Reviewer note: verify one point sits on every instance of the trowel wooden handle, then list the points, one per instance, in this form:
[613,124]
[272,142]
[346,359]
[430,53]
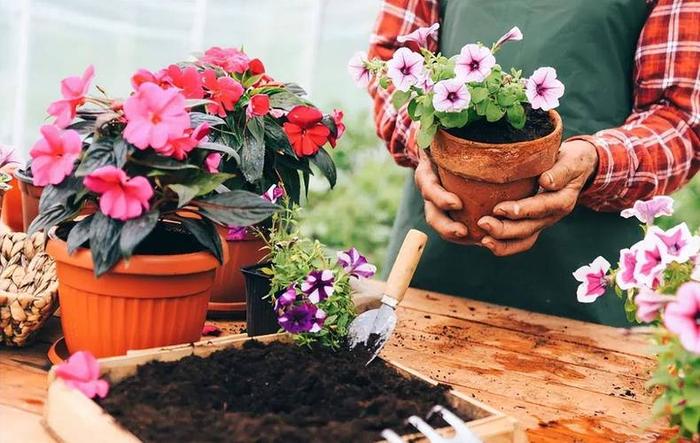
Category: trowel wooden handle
[405,264]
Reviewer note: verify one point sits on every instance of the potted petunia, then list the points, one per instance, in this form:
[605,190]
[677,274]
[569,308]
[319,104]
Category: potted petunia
[490,132]
[659,280]
[276,133]
[136,269]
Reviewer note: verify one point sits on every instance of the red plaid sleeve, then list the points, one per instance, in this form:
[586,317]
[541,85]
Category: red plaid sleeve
[397,17]
[657,150]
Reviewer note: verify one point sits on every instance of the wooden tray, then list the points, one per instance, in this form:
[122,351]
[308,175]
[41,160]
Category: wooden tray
[73,418]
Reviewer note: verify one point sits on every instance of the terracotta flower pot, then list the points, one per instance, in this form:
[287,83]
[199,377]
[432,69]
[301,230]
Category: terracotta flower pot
[484,174]
[30,198]
[228,293]
[12,207]
[153,300]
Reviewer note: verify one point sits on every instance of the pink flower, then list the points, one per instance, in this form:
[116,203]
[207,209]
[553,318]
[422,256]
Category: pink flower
[236,233]
[651,261]
[681,316]
[211,330]
[121,197]
[514,35]
[230,59]
[145,76]
[425,82]
[357,67]
[543,90]
[474,63]
[224,91]
[155,116]
[451,96]
[273,193]
[626,277]
[405,68]
[647,211]
[278,113]
[420,35]
[82,372]
[54,155]
[187,80]
[593,280]
[212,162]
[179,147]
[258,106]
[680,244]
[73,90]
[649,304]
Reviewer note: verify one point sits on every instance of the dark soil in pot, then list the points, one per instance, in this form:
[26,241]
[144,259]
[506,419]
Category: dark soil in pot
[536,126]
[269,393]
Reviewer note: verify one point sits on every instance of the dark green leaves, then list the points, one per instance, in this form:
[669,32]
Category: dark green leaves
[79,234]
[165,163]
[253,150]
[325,164]
[205,233]
[202,184]
[235,208]
[104,242]
[57,204]
[135,230]
[99,154]
[197,118]
[285,99]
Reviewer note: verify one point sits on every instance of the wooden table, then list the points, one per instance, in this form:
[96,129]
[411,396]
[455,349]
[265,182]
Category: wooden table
[566,381]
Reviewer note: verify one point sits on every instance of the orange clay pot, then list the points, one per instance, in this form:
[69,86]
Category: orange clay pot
[149,301]
[12,207]
[484,174]
[30,199]
[228,293]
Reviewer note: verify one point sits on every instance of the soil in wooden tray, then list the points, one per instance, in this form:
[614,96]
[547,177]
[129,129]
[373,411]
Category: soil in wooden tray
[537,125]
[270,393]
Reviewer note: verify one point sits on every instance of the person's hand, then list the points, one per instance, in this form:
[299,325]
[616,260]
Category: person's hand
[516,225]
[438,201]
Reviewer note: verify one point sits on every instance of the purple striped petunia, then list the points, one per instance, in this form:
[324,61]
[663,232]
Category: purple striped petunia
[302,318]
[355,264]
[287,298]
[318,285]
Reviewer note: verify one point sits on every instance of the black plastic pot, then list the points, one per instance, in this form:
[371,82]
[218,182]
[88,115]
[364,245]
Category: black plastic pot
[260,317]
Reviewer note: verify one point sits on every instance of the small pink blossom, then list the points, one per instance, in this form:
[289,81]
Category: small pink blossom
[514,35]
[82,372]
[680,244]
[154,116]
[648,210]
[273,193]
[626,278]
[230,59]
[651,261]
[211,330]
[121,197]
[212,162]
[54,155]
[594,280]
[451,96]
[405,68]
[355,263]
[420,35]
[179,147]
[236,233]
[187,80]
[474,63]
[649,304]
[145,76]
[357,67]
[682,316]
[73,90]
[543,90]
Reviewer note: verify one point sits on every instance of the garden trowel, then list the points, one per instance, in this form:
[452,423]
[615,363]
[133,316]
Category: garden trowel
[374,327]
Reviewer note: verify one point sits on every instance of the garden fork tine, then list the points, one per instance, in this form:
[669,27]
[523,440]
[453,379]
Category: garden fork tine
[462,433]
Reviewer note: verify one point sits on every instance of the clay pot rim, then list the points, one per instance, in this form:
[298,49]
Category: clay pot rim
[556,133]
[22,176]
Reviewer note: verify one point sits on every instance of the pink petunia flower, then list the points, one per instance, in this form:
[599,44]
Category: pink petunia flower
[681,316]
[187,80]
[179,147]
[121,197]
[451,96]
[474,63]
[649,304]
[230,59]
[626,277]
[273,193]
[405,68]
[425,82]
[651,261]
[224,91]
[543,90]
[212,162]
[258,106]
[355,263]
[514,35]
[357,68]
[648,210]
[73,90]
[236,233]
[594,280]
[154,116]
[82,372]
[680,244]
[54,155]
[420,35]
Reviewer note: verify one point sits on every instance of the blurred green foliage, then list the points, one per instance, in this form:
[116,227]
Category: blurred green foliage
[687,207]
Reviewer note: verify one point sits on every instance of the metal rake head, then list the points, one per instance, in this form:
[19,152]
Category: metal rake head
[462,433]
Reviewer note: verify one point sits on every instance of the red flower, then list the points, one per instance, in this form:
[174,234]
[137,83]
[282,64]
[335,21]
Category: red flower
[305,131]
[256,67]
[224,90]
[186,80]
[258,106]
[339,127]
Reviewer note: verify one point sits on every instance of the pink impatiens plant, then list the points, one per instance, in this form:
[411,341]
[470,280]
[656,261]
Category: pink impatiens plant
[659,279]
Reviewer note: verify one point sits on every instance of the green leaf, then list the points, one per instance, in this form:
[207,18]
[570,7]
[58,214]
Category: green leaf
[121,152]
[326,165]
[479,94]
[276,138]
[425,136]
[239,208]
[506,98]
[99,154]
[104,242]
[295,89]
[253,150]
[292,183]
[197,118]
[79,234]
[53,195]
[453,119]
[135,230]
[399,98]
[516,116]
[427,118]
[206,234]
[220,147]
[83,127]
[285,99]
[690,418]
[159,162]
[185,192]
[413,110]
[481,107]
[493,112]
[384,82]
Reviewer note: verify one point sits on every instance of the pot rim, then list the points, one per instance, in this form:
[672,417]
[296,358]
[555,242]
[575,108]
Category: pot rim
[556,132]
[22,176]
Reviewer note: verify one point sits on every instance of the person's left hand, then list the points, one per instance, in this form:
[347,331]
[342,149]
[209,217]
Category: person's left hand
[519,223]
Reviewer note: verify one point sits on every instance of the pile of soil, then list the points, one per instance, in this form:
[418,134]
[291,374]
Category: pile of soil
[537,125]
[270,393]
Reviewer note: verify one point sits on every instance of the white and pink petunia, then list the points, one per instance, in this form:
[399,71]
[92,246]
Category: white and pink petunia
[357,67]
[680,244]
[649,304]
[681,316]
[355,263]
[651,261]
[594,280]
[474,63]
[514,35]
[420,35]
[626,277]
[543,90]
[405,68]
[648,210]
[451,96]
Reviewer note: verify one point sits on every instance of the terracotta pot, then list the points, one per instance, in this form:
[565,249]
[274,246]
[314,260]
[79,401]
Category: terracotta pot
[228,293]
[30,198]
[485,174]
[260,317]
[12,207]
[153,300]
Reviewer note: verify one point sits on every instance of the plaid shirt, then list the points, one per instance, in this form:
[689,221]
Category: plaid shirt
[655,151]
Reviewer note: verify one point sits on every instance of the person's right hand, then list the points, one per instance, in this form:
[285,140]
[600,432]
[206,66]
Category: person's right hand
[438,201]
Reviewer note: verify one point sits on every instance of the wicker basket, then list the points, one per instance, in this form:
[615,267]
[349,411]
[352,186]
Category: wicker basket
[28,287]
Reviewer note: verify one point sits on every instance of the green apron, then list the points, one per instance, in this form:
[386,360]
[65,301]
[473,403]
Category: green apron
[591,43]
